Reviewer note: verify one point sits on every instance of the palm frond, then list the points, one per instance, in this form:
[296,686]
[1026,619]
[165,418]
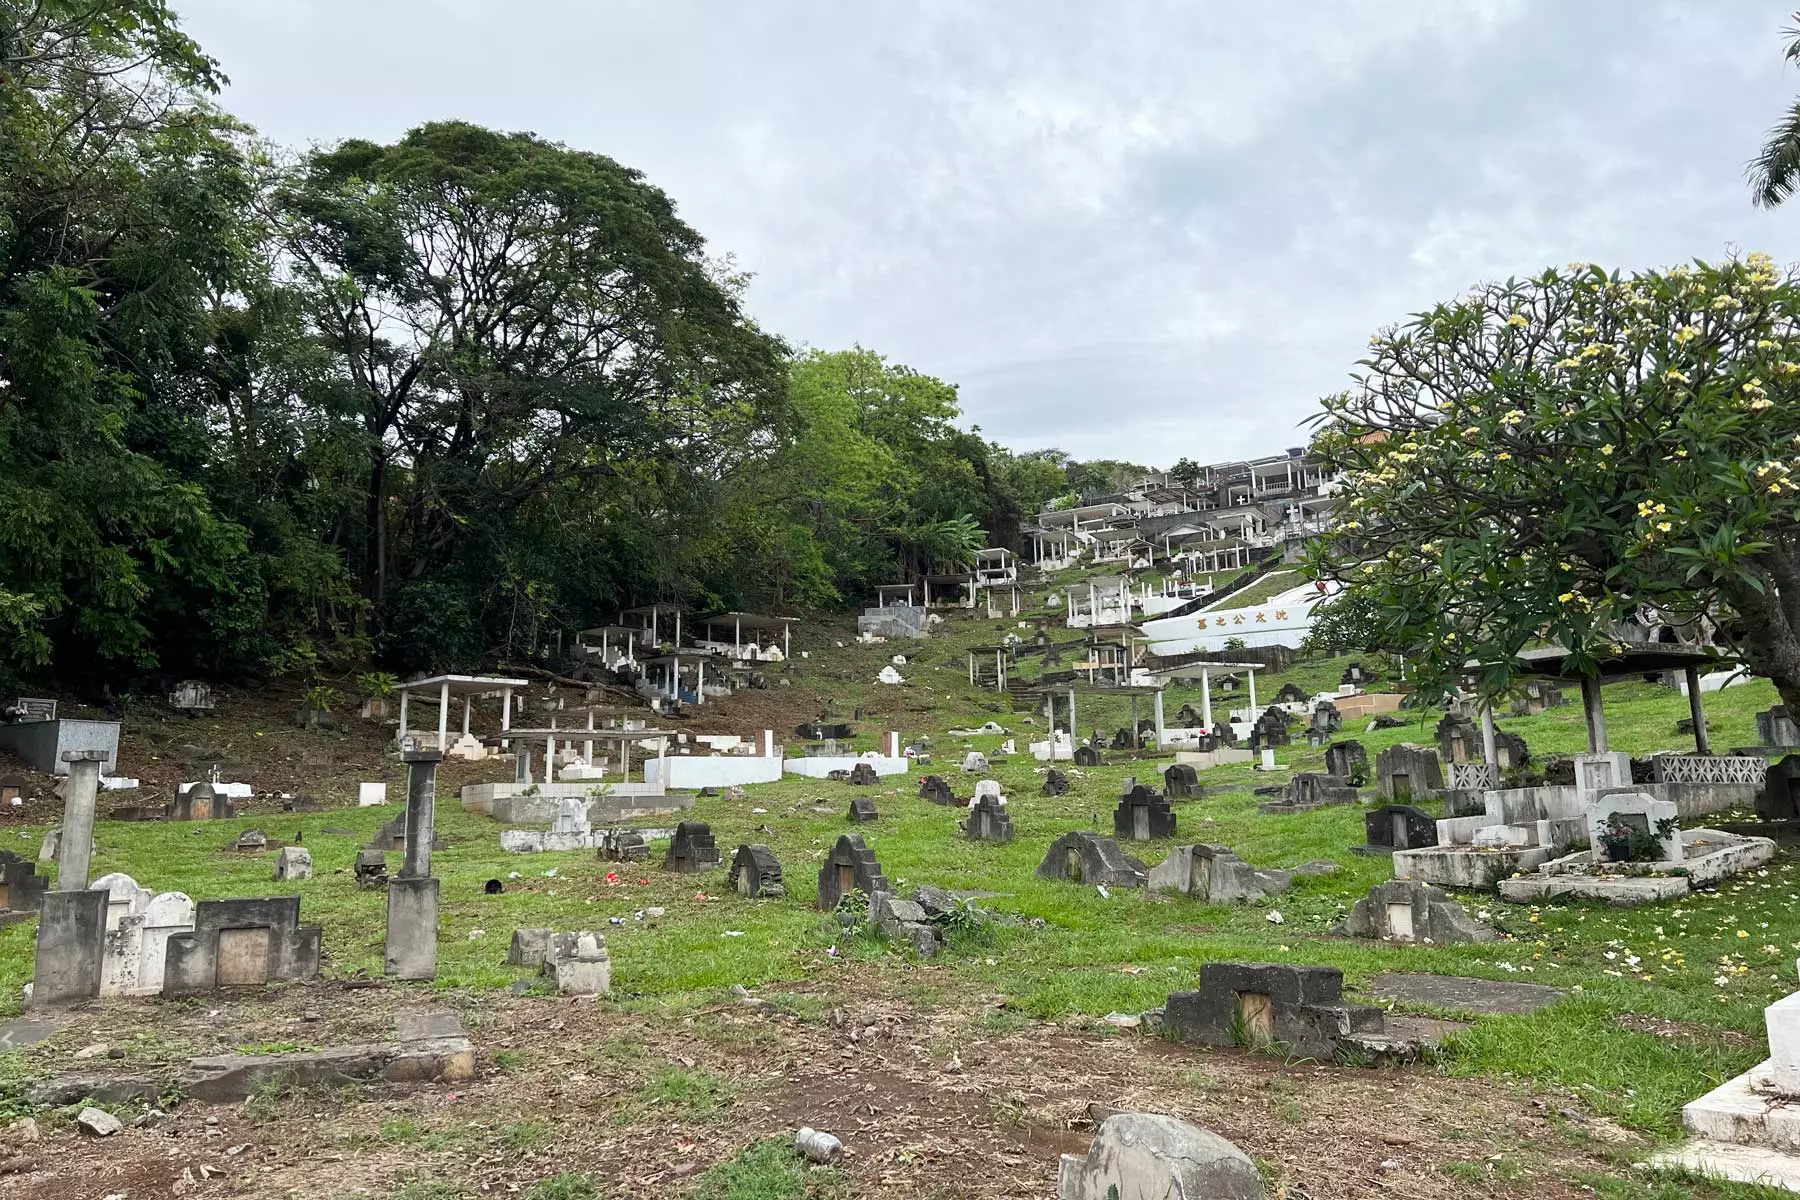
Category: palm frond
[1775,173]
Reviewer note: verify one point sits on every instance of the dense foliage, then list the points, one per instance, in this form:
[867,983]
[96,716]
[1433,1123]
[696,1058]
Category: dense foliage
[1544,458]
[426,403]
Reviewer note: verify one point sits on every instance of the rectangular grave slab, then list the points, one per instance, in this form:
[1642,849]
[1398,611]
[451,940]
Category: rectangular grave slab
[70,943]
[1299,1008]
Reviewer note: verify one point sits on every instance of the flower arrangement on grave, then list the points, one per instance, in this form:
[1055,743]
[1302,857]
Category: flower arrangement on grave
[1628,841]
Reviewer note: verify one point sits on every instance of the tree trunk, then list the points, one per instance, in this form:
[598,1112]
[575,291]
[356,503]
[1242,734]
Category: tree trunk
[1770,645]
[375,553]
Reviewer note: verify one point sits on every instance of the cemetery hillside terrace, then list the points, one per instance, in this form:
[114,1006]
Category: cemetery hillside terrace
[482,712]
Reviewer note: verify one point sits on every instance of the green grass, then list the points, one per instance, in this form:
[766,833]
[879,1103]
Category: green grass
[769,1170]
[1091,956]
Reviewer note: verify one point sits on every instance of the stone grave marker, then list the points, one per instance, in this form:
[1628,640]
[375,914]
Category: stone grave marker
[989,821]
[1775,728]
[937,790]
[1349,761]
[863,775]
[579,964]
[241,943]
[756,873]
[1458,741]
[975,762]
[1780,797]
[1182,782]
[1092,859]
[1086,756]
[1142,815]
[1404,910]
[1406,771]
[371,868]
[1055,783]
[201,803]
[293,863]
[692,848]
[1397,827]
[624,845]
[849,867]
[1300,1009]
[1616,819]
[251,840]
[1147,1156]
[529,947]
[862,810]
[412,896]
[1214,875]
[21,887]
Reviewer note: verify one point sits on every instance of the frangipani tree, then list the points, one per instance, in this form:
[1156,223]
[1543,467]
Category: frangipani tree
[1545,457]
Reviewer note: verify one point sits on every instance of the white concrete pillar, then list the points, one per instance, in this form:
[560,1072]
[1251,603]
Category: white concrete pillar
[700,684]
[468,703]
[1253,693]
[443,716]
[1206,699]
[1159,719]
[400,737]
[1489,752]
[768,743]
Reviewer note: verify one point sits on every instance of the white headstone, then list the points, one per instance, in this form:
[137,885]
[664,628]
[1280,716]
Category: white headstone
[371,795]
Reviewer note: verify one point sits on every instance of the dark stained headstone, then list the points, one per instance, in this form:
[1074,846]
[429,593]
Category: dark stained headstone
[1458,741]
[1142,815]
[1397,827]
[1055,783]
[1774,727]
[863,775]
[850,867]
[692,849]
[1780,797]
[1181,782]
[21,887]
[936,789]
[1348,760]
[1086,756]
[862,809]
[242,943]
[755,872]
[1406,771]
[1299,1009]
[1089,858]
[989,821]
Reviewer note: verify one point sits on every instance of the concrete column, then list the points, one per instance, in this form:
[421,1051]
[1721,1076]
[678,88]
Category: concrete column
[1074,729]
[1596,714]
[1206,699]
[75,848]
[1136,742]
[1490,754]
[1696,710]
[1159,719]
[1050,716]
[400,737]
[443,716]
[506,705]
[421,810]
[700,683]
[468,703]
[768,740]
[1253,693]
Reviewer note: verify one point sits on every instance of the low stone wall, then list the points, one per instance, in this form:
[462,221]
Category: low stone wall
[821,766]
[622,802]
[719,770]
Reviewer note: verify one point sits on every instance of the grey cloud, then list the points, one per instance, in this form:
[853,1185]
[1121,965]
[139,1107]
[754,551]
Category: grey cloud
[1146,229]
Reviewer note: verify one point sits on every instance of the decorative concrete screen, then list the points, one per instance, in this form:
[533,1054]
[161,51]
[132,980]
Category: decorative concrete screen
[1698,768]
[1472,776]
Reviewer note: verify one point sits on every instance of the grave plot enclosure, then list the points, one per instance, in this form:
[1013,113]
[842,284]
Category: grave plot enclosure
[242,943]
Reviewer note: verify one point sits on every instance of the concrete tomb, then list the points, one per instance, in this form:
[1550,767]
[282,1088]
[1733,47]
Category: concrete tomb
[570,830]
[1142,815]
[1055,783]
[1748,1128]
[989,821]
[293,863]
[1214,875]
[692,848]
[756,873]
[937,790]
[1086,756]
[975,762]
[1405,772]
[1397,827]
[1147,1156]
[139,925]
[1348,761]
[1298,1009]
[1182,782]
[624,845]
[863,775]
[1090,858]
[242,943]
[251,840]
[850,867]
[1402,910]
[1637,854]
[579,964]
[862,810]
[529,947]
[1270,729]
[1326,719]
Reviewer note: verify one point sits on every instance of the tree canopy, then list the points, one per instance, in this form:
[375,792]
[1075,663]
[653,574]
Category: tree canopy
[1545,457]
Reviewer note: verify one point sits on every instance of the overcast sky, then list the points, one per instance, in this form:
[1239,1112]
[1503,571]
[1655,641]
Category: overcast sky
[1139,229]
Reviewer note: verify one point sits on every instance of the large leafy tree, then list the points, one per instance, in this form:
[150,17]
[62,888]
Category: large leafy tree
[1545,457]
[122,194]
[543,360]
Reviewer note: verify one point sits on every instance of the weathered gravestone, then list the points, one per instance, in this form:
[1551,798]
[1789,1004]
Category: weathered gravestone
[1780,797]
[1348,760]
[850,867]
[1189,717]
[1397,827]
[936,789]
[692,848]
[1147,1156]
[1633,827]
[1086,756]
[1458,741]
[21,887]
[624,845]
[579,964]
[863,775]
[989,821]
[1775,728]
[1291,693]
[371,868]
[1270,729]
[139,925]
[1326,719]
[1510,751]
[1089,858]
[1311,789]
[1354,674]
[1215,875]
[251,840]
[1404,910]
[862,810]
[293,863]
[975,762]
[410,950]
[756,873]
[1407,771]
[1055,783]
[1182,782]
[242,943]
[1142,815]
[201,803]
[529,947]
[1300,1009]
